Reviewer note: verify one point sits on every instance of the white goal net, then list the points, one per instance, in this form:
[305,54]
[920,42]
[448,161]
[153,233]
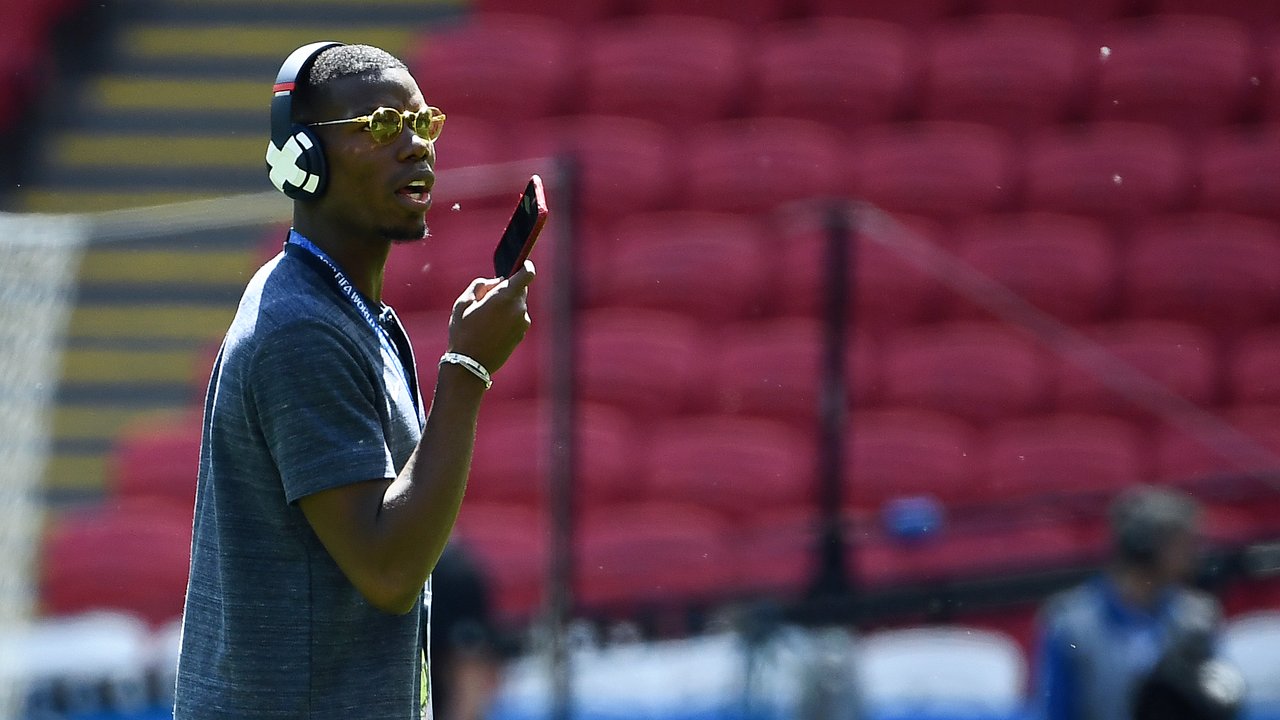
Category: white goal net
[39,256]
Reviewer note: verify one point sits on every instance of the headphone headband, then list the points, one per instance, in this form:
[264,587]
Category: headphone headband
[295,160]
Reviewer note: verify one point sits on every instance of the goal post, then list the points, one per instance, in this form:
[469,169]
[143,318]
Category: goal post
[39,257]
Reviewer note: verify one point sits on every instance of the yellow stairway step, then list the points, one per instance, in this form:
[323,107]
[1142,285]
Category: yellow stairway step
[93,422]
[128,366]
[48,200]
[165,266]
[196,323]
[229,267]
[90,148]
[75,472]
[118,92]
[240,41]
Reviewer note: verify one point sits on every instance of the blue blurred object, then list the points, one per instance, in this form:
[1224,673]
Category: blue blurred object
[913,518]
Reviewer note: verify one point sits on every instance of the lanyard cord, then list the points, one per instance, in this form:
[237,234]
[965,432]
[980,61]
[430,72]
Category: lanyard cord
[349,291]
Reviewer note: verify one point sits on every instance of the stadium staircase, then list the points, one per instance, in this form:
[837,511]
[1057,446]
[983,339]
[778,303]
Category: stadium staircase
[178,112]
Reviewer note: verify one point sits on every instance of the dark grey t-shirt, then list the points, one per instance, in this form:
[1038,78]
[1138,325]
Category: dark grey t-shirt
[304,398]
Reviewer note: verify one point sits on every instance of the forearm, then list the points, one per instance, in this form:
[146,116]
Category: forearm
[419,507]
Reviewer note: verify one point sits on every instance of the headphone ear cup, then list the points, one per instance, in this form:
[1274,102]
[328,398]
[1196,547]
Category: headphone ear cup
[298,168]
[312,163]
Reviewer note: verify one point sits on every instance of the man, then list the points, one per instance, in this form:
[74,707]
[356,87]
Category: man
[1102,641]
[326,492]
[466,648]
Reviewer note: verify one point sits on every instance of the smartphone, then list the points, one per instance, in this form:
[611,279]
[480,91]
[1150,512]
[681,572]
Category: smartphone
[522,232]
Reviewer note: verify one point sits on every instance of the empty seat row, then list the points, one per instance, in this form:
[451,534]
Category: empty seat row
[1018,72]
[646,554]
[630,556]
[1219,270]
[650,364]
[748,468]
[1113,171]
[916,14]
[658,364]
[132,554]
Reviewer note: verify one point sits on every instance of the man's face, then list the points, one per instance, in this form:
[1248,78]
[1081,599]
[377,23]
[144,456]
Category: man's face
[1179,557]
[368,197]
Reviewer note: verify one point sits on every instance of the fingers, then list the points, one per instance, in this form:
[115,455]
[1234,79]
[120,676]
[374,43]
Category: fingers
[474,293]
[522,277]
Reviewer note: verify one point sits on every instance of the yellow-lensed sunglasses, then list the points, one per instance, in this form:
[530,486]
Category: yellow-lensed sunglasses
[385,124]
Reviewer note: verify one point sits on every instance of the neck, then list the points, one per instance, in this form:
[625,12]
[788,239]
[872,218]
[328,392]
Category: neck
[363,262]
[1137,587]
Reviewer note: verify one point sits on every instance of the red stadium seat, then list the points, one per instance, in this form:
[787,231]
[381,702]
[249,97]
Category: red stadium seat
[1186,71]
[430,275]
[653,554]
[1240,172]
[917,13]
[1179,456]
[470,141]
[1111,170]
[577,12]
[739,467]
[519,377]
[647,363]
[1253,13]
[753,164]
[711,266]
[510,544]
[1086,12]
[670,69]
[202,371]
[1254,368]
[428,332]
[1235,465]
[939,169]
[748,14]
[132,557]
[902,452]
[511,458]
[1064,265]
[1251,595]
[158,460]
[981,371]
[1014,71]
[844,72]
[1217,270]
[1058,459]
[775,554]
[625,164]
[1181,357]
[502,68]
[773,368]
[886,290]
[1270,53]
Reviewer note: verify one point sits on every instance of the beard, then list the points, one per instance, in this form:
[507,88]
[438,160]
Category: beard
[408,234]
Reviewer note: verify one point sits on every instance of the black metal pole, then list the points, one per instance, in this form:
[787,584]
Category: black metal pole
[563,455]
[831,580]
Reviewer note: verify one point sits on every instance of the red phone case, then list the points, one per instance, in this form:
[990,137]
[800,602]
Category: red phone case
[540,203]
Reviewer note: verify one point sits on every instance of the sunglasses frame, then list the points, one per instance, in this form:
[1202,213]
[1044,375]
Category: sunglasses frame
[431,112]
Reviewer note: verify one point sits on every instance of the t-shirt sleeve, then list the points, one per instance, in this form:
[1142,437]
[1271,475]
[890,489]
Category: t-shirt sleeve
[317,405]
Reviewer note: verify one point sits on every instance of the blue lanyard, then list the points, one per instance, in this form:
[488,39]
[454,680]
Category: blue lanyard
[349,291]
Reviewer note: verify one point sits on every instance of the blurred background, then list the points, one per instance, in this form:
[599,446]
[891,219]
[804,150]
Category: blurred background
[874,307]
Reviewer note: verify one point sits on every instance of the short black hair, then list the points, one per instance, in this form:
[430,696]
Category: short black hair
[338,61]
[1145,517]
